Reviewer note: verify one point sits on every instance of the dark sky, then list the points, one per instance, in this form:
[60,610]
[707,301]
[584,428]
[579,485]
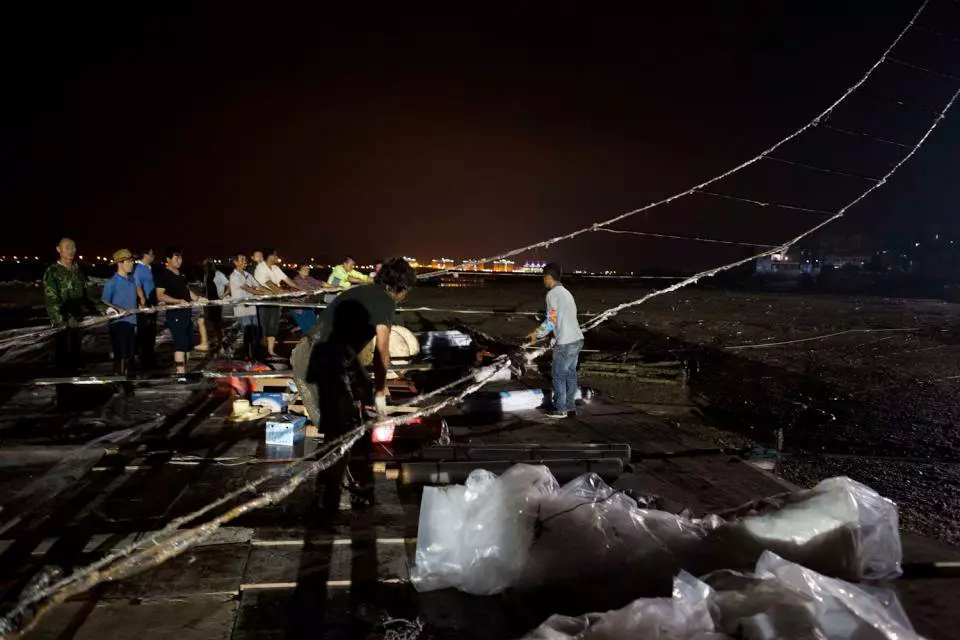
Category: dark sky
[426,132]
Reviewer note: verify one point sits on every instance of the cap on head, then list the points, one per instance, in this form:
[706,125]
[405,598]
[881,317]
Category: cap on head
[121,255]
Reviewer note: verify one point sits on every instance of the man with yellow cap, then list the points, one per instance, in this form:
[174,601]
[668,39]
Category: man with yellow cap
[120,293]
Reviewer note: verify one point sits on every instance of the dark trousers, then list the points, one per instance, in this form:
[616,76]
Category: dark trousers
[147,339]
[68,357]
[251,336]
[340,389]
[68,354]
[123,339]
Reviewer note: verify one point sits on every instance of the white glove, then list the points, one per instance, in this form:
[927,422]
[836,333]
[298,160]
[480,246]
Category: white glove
[380,404]
[111,312]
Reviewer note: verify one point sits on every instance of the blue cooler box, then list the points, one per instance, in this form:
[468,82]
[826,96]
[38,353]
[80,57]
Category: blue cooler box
[286,429]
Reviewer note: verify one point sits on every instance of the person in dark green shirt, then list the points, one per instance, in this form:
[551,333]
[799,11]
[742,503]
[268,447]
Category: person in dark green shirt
[330,365]
[68,299]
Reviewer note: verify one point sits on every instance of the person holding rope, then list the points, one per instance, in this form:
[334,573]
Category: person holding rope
[562,322]
[330,367]
[215,286]
[306,318]
[172,289]
[270,276]
[343,276]
[120,293]
[68,299]
[147,320]
[243,286]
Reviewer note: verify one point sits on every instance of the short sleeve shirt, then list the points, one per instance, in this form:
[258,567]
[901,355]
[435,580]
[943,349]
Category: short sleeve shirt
[121,292]
[351,320]
[237,280]
[266,274]
[220,282]
[143,278]
[339,277]
[173,284]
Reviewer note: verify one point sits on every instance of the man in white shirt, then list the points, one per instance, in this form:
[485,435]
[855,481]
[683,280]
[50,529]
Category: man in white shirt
[243,286]
[269,275]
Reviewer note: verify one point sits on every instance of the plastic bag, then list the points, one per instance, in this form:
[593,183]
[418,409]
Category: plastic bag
[597,543]
[684,615]
[840,527]
[786,600]
[476,537]
[781,599]
[596,547]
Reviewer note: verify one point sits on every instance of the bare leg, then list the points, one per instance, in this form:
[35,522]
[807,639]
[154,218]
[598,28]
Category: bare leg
[180,358]
[204,345]
[271,346]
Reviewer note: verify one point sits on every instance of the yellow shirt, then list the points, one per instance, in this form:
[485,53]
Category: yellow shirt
[339,277]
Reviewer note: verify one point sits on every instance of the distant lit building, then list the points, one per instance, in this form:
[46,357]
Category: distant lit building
[442,263]
[504,266]
[531,267]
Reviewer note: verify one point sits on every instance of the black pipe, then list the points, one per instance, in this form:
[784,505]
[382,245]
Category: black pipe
[525,452]
[457,472]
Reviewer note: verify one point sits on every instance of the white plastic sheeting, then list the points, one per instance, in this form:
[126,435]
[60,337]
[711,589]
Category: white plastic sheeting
[476,537]
[521,530]
[780,600]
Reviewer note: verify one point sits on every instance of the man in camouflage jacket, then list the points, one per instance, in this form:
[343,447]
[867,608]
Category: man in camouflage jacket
[68,299]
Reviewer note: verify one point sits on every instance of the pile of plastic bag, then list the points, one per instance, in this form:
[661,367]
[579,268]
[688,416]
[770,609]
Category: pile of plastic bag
[780,599]
[522,530]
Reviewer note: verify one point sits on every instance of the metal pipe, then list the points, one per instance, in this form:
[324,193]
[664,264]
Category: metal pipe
[525,452]
[456,472]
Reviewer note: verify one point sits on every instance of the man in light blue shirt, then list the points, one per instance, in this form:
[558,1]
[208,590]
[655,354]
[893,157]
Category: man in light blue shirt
[146,322]
[562,321]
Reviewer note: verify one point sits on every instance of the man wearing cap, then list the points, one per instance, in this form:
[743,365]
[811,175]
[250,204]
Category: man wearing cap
[121,294]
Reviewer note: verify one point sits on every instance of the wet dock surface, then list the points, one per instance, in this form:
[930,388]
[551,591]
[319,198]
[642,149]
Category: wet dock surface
[76,486]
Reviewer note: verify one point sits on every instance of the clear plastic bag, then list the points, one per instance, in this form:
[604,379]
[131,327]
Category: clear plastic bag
[596,546]
[597,541]
[840,527]
[683,616]
[476,537]
[781,599]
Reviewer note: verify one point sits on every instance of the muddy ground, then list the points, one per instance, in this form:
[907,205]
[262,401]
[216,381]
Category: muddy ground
[877,405]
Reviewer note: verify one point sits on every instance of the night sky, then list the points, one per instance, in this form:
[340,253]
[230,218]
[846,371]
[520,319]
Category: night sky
[423,132]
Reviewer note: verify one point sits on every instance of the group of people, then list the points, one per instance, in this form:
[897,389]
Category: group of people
[331,360]
[132,294]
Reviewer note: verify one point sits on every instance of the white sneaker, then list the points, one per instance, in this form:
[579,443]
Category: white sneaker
[556,414]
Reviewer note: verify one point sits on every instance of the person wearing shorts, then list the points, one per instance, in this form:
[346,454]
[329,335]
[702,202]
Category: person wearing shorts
[172,289]
[269,275]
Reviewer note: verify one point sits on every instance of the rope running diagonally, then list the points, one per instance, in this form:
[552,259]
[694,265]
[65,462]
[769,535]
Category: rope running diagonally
[814,122]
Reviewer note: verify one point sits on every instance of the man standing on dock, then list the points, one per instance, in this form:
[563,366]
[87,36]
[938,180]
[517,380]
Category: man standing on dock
[68,299]
[562,322]
[146,321]
[330,367]
[270,276]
